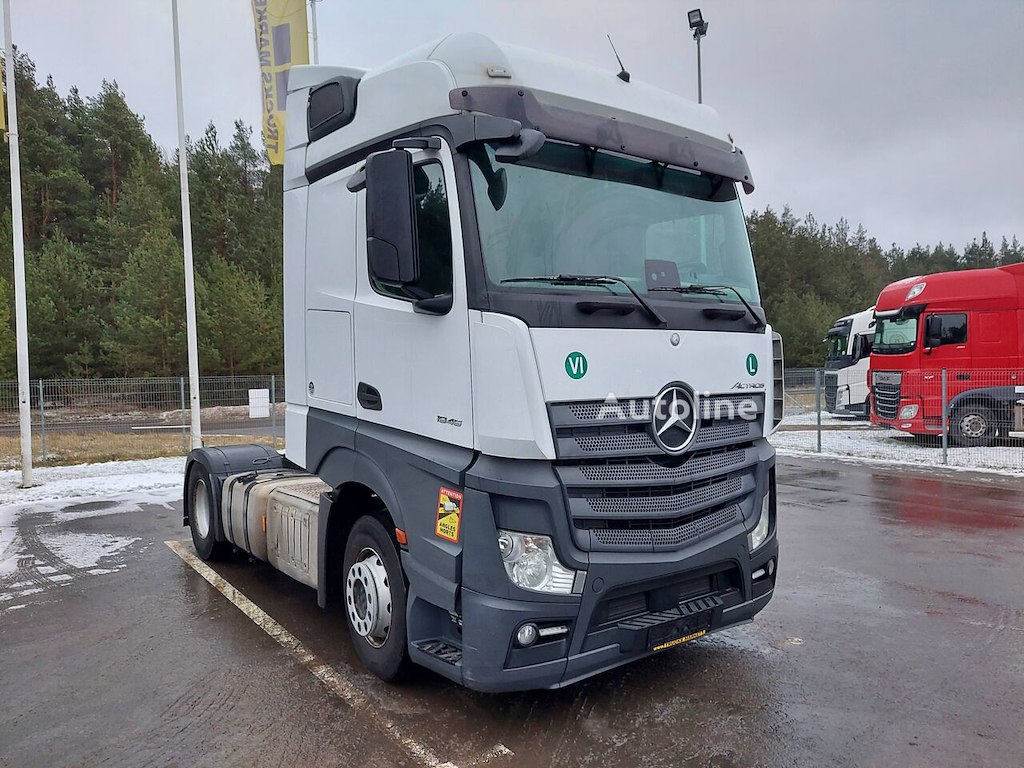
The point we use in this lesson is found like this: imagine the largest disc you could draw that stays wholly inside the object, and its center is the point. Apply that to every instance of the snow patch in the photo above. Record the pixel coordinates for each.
(83, 550)
(147, 481)
(65, 494)
(827, 419)
(881, 446)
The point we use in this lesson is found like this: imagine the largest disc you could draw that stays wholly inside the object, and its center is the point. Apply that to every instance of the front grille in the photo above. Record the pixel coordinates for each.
(662, 501)
(634, 409)
(620, 442)
(625, 493)
(648, 470)
(831, 391)
(885, 395)
(676, 533)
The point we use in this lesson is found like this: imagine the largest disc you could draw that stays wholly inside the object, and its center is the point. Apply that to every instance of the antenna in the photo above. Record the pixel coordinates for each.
(623, 74)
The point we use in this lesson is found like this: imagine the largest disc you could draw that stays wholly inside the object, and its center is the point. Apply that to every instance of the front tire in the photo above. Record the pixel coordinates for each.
(201, 508)
(973, 426)
(375, 600)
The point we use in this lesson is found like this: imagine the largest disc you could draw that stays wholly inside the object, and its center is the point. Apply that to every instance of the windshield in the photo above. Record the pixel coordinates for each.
(893, 336)
(837, 345)
(572, 210)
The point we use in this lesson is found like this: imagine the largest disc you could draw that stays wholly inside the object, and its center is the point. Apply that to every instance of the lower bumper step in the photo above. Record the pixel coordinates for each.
(440, 650)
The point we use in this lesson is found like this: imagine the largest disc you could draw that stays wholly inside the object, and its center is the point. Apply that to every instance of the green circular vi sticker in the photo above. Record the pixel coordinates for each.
(576, 365)
(752, 364)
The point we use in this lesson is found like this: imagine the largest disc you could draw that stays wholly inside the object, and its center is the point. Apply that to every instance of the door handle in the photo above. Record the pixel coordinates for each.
(369, 397)
(963, 377)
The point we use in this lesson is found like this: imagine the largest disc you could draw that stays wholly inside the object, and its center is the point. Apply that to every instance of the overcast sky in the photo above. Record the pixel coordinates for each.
(906, 117)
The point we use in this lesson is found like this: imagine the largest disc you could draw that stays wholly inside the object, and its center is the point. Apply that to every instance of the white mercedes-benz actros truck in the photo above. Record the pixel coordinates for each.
(529, 381)
(847, 359)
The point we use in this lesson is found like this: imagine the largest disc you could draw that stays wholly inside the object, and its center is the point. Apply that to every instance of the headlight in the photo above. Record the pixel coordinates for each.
(908, 411)
(757, 536)
(531, 563)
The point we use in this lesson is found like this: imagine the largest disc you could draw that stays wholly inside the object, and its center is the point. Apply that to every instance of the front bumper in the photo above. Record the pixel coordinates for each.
(627, 609)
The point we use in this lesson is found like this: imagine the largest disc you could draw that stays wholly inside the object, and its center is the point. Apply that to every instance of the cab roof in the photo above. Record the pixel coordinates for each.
(995, 288)
(418, 87)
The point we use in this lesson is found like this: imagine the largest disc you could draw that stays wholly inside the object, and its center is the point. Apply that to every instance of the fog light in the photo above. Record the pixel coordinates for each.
(908, 411)
(771, 566)
(527, 635)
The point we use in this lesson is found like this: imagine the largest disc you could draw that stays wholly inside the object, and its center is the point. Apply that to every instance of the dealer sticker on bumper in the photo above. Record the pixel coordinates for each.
(679, 640)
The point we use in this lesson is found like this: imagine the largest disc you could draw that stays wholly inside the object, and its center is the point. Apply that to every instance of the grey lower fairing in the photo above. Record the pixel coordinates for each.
(460, 593)
(407, 472)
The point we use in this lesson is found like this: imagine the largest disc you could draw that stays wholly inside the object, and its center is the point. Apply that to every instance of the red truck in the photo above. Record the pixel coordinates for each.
(970, 323)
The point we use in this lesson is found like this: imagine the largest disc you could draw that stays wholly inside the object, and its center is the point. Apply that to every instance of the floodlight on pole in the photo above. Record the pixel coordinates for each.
(17, 224)
(700, 28)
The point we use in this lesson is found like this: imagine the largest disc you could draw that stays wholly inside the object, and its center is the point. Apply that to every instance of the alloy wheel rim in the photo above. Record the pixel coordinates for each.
(368, 597)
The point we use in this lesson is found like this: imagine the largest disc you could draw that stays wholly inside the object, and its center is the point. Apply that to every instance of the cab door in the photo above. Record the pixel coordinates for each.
(946, 344)
(412, 369)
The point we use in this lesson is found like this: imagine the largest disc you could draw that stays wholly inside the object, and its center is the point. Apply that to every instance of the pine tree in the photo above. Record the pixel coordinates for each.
(238, 318)
(147, 337)
(63, 302)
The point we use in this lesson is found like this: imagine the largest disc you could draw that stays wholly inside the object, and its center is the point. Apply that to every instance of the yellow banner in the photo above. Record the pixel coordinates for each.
(281, 41)
(3, 105)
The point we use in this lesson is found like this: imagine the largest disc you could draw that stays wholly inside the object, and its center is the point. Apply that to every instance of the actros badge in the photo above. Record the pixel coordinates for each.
(674, 418)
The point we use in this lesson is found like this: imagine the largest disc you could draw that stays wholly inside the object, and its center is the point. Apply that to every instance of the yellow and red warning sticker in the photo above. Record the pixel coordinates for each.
(449, 514)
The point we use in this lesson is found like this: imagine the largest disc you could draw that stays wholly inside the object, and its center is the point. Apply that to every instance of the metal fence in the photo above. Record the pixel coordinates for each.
(940, 417)
(87, 420)
(964, 417)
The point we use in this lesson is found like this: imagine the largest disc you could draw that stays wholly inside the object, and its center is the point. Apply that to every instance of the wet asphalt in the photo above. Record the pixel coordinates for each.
(895, 638)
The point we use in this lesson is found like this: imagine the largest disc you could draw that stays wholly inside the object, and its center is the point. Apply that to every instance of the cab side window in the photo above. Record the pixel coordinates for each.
(433, 230)
(954, 328)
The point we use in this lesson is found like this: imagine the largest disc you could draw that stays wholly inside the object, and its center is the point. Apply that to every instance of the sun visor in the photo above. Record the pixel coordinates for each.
(603, 132)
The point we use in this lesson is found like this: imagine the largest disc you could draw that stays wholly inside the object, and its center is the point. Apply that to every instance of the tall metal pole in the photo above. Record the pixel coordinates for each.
(700, 92)
(316, 45)
(186, 237)
(17, 221)
(945, 416)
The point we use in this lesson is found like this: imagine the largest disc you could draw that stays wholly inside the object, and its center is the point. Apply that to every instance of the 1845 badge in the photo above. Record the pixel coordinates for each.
(449, 514)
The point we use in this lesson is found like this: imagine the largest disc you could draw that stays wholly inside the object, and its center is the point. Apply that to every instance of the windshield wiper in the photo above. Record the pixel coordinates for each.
(592, 280)
(713, 290)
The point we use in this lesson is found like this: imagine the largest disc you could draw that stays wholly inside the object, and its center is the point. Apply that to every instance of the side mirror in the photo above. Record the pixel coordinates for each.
(933, 331)
(391, 243)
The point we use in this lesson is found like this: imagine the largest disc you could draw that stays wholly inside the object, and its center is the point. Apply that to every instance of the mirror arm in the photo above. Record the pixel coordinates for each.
(435, 305)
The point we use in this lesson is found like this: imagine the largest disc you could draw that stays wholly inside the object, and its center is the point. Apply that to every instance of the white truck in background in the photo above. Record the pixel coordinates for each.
(847, 359)
(529, 381)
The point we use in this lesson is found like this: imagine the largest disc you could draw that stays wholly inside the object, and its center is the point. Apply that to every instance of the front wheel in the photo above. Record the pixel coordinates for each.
(972, 426)
(200, 508)
(375, 598)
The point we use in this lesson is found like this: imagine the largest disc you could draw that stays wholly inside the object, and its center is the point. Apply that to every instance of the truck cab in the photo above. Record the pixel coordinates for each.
(955, 338)
(847, 358)
(529, 380)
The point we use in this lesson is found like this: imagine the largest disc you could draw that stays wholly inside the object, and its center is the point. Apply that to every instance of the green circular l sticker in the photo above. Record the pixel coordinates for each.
(576, 365)
(752, 364)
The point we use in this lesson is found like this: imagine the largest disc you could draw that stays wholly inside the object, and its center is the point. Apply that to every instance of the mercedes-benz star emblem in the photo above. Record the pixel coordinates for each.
(674, 418)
